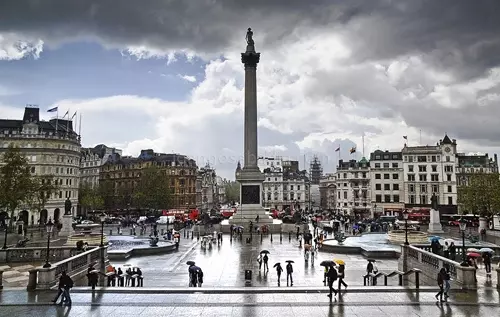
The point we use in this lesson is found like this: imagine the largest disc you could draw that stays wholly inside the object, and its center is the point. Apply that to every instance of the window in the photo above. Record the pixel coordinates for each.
(434, 177)
(395, 186)
(450, 200)
(410, 168)
(394, 157)
(423, 199)
(378, 186)
(377, 165)
(378, 198)
(386, 176)
(423, 188)
(435, 188)
(410, 158)
(412, 199)
(422, 168)
(387, 186)
(411, 177)
(291, 187)
(395, 176)
(394, 165)
(448, 177)
(386, 165)
(433, 158)
(411, 188)
(449, 189)
(395, 198)
(434, 168)
(345, 195)
(377, 176)
(298, 197)
(422, 178)
(298, 187)
(447, 159)
(421, 158)
(448, 168)
(387, 198)
(345, 175)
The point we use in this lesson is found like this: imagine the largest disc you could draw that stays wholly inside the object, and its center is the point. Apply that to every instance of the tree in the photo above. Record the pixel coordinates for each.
(15, 180)
(90, 197)
(41, 188)
(152, 190)
(232, 191)
(480, 195)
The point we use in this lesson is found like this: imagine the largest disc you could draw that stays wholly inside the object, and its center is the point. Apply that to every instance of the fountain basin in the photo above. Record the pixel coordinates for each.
(370, 245)
(414, 237)
(124, 247)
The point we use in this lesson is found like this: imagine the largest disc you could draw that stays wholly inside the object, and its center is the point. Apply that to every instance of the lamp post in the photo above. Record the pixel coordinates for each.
(49, 226)
(463, 226)
(405, 216)
(102, 217)
(6, 224)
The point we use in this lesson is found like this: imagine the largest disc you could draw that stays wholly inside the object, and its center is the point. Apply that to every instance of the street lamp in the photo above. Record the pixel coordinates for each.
(6, 224)
(102, 217)
(405, 216)
(49, 226)
(463, 226)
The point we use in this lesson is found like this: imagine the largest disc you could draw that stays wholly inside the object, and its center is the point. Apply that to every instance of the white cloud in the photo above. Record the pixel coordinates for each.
(191, 79)
(15, 47)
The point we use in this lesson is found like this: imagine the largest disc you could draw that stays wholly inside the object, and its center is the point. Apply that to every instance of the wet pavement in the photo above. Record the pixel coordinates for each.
(225, 264)
(15, 303)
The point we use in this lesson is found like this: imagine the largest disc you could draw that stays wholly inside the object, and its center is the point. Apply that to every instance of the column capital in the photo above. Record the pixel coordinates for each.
(250, 59)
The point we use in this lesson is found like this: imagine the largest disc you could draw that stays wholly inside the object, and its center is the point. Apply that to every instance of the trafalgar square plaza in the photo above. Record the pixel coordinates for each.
(314, 263)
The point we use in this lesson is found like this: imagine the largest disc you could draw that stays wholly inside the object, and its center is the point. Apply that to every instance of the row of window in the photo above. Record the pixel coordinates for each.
(423, 168)
(424, 188)
(285, 197)
(387, 199)
(285, 187)
(424, 199)
(425, 158)
(387, 176)
(387, 165)
(423, 177)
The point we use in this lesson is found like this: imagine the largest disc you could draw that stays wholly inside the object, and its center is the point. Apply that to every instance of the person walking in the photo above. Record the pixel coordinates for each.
(446, 250)
(332, 277)
(440, 282)
(60, 289)
(289, 271)
(259, 260)
(279, 269)
(341, 276)
(65, 284)
(266, 265)
(487, 263)
(453, 251)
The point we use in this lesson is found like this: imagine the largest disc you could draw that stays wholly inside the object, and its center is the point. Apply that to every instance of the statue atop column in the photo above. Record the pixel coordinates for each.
(250, 42)
(67, 207)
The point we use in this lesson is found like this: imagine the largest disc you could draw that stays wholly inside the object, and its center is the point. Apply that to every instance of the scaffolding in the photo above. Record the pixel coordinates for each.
(315, 170)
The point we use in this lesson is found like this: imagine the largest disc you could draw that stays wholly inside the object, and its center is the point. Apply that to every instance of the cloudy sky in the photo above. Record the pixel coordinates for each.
(167, 75)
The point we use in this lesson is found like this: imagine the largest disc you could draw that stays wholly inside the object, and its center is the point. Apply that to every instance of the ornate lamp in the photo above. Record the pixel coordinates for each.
(405, 216)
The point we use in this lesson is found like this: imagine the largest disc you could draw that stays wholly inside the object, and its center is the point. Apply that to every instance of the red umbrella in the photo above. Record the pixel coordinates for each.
(474, 255)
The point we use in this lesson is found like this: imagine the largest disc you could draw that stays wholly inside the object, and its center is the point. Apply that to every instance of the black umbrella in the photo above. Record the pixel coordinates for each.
(277, 264)
(289, 261)
(372, 260)
(190, 263)
(327, 263)
(264, 252)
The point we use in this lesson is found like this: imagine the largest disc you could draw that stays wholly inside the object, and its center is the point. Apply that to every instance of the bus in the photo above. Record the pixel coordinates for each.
(454, 220)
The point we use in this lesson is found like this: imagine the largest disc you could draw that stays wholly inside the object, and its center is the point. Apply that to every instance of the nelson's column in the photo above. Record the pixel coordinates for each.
(250, 176)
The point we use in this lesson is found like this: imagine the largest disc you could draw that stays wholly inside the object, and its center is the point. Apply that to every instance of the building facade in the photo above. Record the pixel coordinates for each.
(53, 150)
(121, 174)
(328, 192)
(209, 189)
(91, 161)
(386, 183)
(352, 181)
(431, 170)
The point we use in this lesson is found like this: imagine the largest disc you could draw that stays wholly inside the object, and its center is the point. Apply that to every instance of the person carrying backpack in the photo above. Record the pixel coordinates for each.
(67, 283)
(332, 276)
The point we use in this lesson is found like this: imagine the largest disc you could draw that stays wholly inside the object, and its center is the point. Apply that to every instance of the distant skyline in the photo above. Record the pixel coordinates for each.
(168, 76)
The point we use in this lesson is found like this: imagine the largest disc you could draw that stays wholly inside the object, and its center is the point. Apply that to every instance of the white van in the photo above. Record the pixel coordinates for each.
(163, 220)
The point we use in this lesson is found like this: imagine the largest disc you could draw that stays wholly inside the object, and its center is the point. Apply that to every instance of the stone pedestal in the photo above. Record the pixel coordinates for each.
(67, 226)
(435, 222)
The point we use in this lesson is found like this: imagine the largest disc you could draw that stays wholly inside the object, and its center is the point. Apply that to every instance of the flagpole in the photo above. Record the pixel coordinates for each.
(57, 118)
(80, 127)
(67, 123)
(363, 142)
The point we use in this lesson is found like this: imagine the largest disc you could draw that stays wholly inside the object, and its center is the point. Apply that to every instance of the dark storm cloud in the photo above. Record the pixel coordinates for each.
(459, 34)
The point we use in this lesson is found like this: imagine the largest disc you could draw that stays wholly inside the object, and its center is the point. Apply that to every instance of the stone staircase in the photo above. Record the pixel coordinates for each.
(15, 276)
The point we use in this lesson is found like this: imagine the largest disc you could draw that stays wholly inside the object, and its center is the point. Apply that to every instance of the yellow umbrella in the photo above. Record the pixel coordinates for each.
(339, 262)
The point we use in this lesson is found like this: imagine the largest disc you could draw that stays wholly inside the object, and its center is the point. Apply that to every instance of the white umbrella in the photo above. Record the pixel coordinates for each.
(472, 250)
(487, 250)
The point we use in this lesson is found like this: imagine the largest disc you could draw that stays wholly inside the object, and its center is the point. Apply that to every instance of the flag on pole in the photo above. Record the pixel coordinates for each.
(52, 109)
(338, 149)
(405, 137)
(352, 150)
(66, 114)
(74, 115)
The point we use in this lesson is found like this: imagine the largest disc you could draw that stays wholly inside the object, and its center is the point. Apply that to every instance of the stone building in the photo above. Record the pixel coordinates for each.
(121, 175)
(53, 149)
(353, 187)
(209, 188)
(91, 162)
(431, 170)
(387, 183)
(328, 192)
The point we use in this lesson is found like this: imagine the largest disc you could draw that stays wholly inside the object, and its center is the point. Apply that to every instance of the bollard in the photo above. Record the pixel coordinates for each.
(131, 232)
(300, 243)
(32, 280)
(111, 232)
(261, 237)
(281, 237)
(184, 232)
(192, 235)
(271, 237)
(162, 232)
(400, 276)
(198, 236)
(1, 279)
(417, 278)
(289, 236)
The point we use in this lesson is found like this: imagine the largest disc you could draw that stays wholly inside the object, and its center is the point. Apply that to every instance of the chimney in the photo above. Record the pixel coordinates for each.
(496, 159)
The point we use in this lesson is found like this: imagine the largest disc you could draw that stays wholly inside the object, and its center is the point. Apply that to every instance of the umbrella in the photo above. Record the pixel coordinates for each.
(473, 255)
(487, 250)
(339, 262)
(371, 260)
(327, 263)
(434, 238)
(449, 241)
(277, 264)
(474, 250)
(289, 261)
(264, 252)
(190, 263)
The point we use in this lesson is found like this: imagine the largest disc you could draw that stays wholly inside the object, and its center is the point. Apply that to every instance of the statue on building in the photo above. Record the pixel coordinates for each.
(67, 207)
(434, 201)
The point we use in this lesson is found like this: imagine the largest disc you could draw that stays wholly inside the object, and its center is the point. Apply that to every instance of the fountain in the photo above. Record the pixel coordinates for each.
(85, 234)
(414, 237)
(123, 247)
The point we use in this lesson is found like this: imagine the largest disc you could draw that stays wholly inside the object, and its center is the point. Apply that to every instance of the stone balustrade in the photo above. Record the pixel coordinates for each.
(36, 254)
(430, 264)
(76, 266)
(459, 249)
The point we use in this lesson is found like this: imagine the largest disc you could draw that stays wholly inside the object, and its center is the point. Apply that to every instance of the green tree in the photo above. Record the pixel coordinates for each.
(42, 187)
(232, 191)
(90, 198)
(107, 192)
(152, 190)
(15, 180)
(480, 195)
